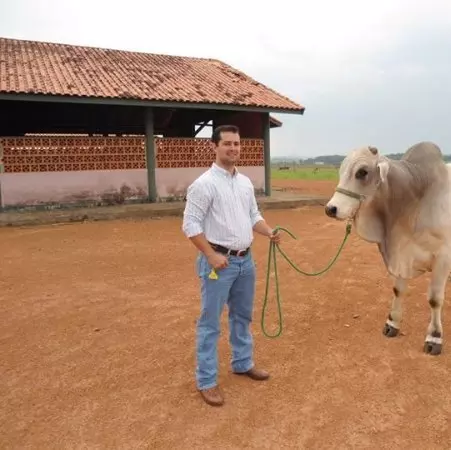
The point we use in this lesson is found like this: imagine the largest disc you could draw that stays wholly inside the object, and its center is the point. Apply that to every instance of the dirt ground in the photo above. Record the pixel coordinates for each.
(97, 343)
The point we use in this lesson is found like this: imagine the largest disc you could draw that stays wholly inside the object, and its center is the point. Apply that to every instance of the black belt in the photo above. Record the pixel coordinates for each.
(227, 251)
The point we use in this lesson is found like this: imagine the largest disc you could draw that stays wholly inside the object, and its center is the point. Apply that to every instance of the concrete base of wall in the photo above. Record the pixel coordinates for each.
(138, 211)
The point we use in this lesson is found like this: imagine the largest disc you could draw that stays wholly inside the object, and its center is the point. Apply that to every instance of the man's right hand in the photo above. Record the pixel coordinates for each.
(218, 261)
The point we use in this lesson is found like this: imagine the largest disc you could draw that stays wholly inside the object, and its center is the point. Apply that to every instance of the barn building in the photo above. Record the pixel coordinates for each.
(83, 125)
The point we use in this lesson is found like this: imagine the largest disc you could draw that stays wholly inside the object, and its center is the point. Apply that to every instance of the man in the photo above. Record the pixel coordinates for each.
(220, 216)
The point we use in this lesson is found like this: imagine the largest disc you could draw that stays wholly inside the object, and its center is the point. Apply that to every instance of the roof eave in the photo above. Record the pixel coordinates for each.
(144, 103)
(274, 123)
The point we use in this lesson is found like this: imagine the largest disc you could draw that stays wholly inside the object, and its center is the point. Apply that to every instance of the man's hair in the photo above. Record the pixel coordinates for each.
(216, 136)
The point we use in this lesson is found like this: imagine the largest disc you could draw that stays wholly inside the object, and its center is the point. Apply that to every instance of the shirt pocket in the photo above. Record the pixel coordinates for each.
(246, 197)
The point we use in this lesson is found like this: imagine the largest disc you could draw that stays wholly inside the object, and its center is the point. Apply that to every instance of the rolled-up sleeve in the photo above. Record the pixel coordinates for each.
(198, 201)
(255, 213)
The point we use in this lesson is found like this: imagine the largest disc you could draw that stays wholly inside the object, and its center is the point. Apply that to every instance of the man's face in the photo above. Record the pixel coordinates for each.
(228, 148)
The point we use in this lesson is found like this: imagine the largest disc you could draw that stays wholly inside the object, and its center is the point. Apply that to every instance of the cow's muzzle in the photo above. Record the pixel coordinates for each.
(331, 211)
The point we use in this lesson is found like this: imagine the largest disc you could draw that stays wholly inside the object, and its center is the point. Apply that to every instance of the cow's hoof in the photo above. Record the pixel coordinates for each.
(390, 331)
(432, 348)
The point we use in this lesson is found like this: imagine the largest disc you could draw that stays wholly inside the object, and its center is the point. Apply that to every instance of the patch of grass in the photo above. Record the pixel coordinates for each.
(324, 173)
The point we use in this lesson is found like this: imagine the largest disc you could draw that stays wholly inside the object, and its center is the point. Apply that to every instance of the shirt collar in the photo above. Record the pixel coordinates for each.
(216, 168)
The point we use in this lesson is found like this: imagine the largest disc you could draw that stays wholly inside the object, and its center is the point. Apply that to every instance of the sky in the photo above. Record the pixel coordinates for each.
(368, 73)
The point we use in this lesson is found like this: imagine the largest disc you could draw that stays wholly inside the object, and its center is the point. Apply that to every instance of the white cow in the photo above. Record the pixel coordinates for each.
(405, 208)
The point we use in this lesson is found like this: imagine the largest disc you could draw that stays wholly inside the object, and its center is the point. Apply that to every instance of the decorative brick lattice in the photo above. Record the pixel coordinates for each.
(197, 152)
(64, 154)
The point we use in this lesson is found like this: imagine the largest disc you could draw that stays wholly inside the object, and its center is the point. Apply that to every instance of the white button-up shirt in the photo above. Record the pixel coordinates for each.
(223, 207)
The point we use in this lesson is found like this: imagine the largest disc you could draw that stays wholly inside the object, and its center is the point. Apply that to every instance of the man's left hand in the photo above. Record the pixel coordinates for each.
(261, 227)
(275, 236)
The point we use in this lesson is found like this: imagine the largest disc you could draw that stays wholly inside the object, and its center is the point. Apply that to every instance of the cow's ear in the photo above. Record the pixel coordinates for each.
(383, 167)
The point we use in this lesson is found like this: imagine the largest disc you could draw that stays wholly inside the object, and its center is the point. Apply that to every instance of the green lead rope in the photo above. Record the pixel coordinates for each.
(272, 256)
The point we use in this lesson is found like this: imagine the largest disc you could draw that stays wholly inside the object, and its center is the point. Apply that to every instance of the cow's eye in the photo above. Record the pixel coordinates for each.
(361, 173)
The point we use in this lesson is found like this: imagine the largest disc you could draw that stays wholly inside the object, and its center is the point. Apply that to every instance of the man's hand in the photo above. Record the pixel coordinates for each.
(217, 261)
(264, 229)
(275, 236)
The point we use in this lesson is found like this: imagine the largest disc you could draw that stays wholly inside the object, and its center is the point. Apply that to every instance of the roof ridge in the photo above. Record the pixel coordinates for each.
(110, 49)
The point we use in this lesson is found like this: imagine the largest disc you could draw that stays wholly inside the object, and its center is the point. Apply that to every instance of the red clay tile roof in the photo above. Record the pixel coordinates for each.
(30, 67)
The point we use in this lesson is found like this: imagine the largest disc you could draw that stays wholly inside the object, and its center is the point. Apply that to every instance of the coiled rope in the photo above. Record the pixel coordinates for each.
(273, 247)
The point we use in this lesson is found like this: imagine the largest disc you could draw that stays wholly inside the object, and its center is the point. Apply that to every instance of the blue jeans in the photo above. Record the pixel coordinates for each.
(235, 287)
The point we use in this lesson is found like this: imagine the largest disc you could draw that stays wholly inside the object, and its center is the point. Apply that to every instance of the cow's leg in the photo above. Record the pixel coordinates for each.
(436, 295)
(393, 322)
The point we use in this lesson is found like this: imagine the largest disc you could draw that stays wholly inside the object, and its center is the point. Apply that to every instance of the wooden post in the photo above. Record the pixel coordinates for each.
(150, 156)
(267, 153)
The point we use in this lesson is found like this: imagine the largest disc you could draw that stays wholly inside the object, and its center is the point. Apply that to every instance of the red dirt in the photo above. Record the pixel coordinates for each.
(97, 346)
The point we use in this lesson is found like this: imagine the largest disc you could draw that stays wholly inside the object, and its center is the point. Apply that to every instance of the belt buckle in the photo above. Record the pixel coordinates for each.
(240, 252)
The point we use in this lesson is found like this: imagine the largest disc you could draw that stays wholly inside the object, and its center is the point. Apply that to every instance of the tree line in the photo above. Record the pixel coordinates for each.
(334, 160)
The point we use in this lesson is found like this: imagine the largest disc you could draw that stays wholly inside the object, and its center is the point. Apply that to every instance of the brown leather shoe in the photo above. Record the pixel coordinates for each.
(255, 374)
(212, 396)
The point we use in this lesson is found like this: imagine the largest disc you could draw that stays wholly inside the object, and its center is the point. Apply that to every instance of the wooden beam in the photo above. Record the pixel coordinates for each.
(146, 103)
(150, 156)
(202, 126)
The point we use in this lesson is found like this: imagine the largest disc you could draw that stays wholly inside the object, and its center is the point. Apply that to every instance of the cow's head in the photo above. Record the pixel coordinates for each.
(361, 173)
